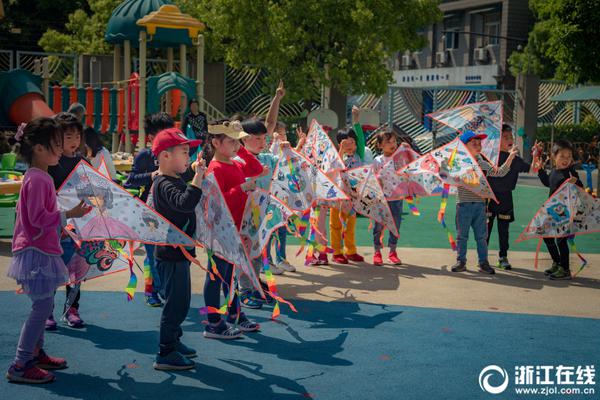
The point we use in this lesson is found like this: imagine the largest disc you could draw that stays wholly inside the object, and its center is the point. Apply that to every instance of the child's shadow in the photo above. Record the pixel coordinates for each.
(210, 383)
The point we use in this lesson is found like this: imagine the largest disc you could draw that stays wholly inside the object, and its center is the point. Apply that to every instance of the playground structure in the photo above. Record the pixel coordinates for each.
(120, 109)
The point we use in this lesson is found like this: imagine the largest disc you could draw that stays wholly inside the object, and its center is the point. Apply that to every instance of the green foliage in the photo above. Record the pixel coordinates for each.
(562, 44)
(84, 31)
(338, 43)
(575, 133)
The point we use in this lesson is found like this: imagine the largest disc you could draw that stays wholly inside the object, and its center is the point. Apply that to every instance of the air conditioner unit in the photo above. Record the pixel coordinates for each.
(481, 54)
(406, 60)
(441, 58)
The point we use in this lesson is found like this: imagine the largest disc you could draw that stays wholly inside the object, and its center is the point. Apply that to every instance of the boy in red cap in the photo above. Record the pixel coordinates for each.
(470, 208)
(176, 201)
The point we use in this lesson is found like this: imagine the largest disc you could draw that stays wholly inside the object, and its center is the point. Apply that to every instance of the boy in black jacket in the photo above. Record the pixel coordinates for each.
(176, 201)
(503, 188)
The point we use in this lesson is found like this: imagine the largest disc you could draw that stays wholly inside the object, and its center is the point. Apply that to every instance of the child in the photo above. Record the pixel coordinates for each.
(176, 201)
(503, 188)
(36, 264)
(387, 143)
(96, 152)
(143, 171)
(255, 143)
(231, 175)
(72, 132)
(470, 208)
(339, 216)
(562, 156)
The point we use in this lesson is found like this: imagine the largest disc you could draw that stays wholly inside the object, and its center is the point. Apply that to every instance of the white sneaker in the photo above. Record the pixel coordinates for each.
(286, 266)
(276, 270)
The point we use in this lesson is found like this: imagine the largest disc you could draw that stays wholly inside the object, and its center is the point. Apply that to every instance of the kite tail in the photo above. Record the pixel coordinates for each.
(442, 213)
(148, 281)
(132, 284)
(193, 260)
(571, 240)
(411, 205)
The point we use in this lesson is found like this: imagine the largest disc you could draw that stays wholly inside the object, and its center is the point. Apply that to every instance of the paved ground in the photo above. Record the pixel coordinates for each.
(415, 331)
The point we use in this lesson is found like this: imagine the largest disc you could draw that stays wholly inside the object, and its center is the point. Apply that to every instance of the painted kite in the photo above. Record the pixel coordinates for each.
(217, 232)
(320, 150)
(299, 184)
(483, 118)
(452, 164)
(263, 214)
(367, 197)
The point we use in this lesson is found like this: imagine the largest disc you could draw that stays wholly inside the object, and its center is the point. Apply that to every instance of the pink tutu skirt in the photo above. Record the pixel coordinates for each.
(38, 274)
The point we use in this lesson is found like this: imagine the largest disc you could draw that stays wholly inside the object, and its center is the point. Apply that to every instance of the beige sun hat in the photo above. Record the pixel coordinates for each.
(232, 129)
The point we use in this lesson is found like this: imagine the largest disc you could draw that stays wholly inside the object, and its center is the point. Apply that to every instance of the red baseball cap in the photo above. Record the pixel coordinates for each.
(171, 137)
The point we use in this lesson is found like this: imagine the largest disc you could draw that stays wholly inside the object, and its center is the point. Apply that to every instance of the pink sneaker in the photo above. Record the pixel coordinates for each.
(394, 258)
(50, 323)
(323, 260)
(73, 319)
(311, 261)
(32, 374)
(355, 257)
(45, 361)
(377, 259)
(340, 259)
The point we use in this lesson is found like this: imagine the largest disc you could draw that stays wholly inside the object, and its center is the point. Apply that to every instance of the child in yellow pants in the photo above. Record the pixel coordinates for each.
(352, 151)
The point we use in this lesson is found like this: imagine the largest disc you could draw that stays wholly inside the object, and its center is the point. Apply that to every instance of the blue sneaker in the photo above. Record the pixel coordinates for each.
(153, 300)
(244, 324)
(221, 331)
(174, 361)
(248, 300)
(185, 350)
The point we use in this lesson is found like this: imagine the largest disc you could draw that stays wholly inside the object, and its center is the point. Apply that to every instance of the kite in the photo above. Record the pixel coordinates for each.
(464, 170)
(217, 232)
(263, 214)
(106, 235)
(570, 211)
(367, 197)
(319, 149)
(397, 186)
(480, 118)
(299, 184)
(116, 214)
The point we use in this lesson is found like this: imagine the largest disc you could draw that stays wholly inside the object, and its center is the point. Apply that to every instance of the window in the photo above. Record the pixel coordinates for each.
(491, 28)
(452, 25)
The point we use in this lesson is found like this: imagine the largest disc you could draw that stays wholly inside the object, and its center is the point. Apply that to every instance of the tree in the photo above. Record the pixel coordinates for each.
(26, 20)
(340, 43)
(85, 30)
(562, 43)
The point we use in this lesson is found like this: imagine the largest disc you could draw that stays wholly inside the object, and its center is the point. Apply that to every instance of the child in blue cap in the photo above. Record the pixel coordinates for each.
(470, 208)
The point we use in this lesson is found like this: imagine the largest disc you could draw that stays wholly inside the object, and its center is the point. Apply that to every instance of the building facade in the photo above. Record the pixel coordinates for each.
(469, 47)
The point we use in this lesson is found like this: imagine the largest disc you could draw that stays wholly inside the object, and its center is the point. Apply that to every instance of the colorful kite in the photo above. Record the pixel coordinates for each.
(216, 230)
(435, 166)
(480, 118)
(570, 211)
(319, 149)
(397, 186)
(367, 197)
(264, 213)
(116, 214)
(299, 184)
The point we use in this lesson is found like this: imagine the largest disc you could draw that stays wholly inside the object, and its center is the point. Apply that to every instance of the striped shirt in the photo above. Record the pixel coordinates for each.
(466, 196)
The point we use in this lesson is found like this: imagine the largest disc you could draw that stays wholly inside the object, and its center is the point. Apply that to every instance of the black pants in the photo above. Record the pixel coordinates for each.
(176, 289)
(77, 297)
(559, 251)
(503, 211)
(212, 289)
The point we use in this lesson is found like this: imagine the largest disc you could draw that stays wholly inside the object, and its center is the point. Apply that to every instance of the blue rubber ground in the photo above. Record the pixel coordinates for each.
(328, 350)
